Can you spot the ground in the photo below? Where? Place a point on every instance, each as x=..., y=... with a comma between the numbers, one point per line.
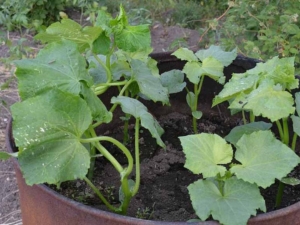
x=163, y=39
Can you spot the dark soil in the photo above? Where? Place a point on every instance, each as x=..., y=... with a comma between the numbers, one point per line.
x=163, y=193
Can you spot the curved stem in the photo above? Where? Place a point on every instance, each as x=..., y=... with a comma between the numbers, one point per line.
x=103, y=199
x=120, y=94
x=95, y=141
x=119, y=145
x=137, y=157
x=293, y=146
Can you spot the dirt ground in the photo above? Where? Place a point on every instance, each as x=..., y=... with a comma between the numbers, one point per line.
x=10, y=214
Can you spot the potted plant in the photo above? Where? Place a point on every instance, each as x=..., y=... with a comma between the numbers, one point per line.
x=67, y=89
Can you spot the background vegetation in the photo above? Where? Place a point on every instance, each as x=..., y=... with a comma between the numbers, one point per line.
x=259, y=28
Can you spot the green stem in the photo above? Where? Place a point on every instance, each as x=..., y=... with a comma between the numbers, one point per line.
x=126, y=124
x=127, y=195
x=279, y=194
x=106, y=68
x=244, y=117
x=293, y=146
x=92, y=162
x=197, y=90
x=252, y=117
x=285, y=139
x=280, y=130
x=95, y=141
x=119, y=145
x=103, y=199
x=112, y=109
x=120, y=94
x=125, y=131
x=286, y=133
x=103, y=85
x=137, y=157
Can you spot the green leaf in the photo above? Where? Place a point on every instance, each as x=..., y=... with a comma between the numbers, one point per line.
x=138, y=110
x=204, y=152
x=237, y=132
x=297, y=101
x=133, y=38
x=197, y=114
x=192, y=71
x=47, y=129
x=290, y=181
x=238, y=202
x=173, y=80
x=237, y=84
x=120, y=68
x=185, y=54
x=212, y=68
x=131, y=184
x=190, y=99
x=290, y=28
x=68, y=29
x=6, y=155
x=57, y=65
x=98, y=109
x=269, y=102
x=280, y=70
x=149, y=85
x=101, y=45
x=216, y=52
x=296, y=124
x=103, y=20
x=263, y=159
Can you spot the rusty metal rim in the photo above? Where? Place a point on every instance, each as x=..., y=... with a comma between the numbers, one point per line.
x=295, y=208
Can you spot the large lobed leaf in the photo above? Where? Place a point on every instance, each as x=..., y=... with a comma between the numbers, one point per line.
x=280, y=70
x=269, y=102
x=57, y=65
x=263, y=159
x=238, y=84
x=218, y=53
x=138, y=110
x=48, y=136
x=205, y=152
x=213, y=61
x=68, y=29
x=133, y=38
x=213, y=68
x=149, y=85
x=234, y=206
x=173, y=80
x=185, y=54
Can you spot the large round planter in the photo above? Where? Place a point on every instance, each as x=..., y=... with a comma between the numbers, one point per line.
x=40, y=205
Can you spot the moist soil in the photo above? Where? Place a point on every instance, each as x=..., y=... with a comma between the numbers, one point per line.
x=163, y=193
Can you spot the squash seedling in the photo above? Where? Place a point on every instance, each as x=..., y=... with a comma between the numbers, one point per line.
x=261, y=158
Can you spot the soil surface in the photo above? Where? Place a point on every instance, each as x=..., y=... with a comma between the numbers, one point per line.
x=162, y=40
